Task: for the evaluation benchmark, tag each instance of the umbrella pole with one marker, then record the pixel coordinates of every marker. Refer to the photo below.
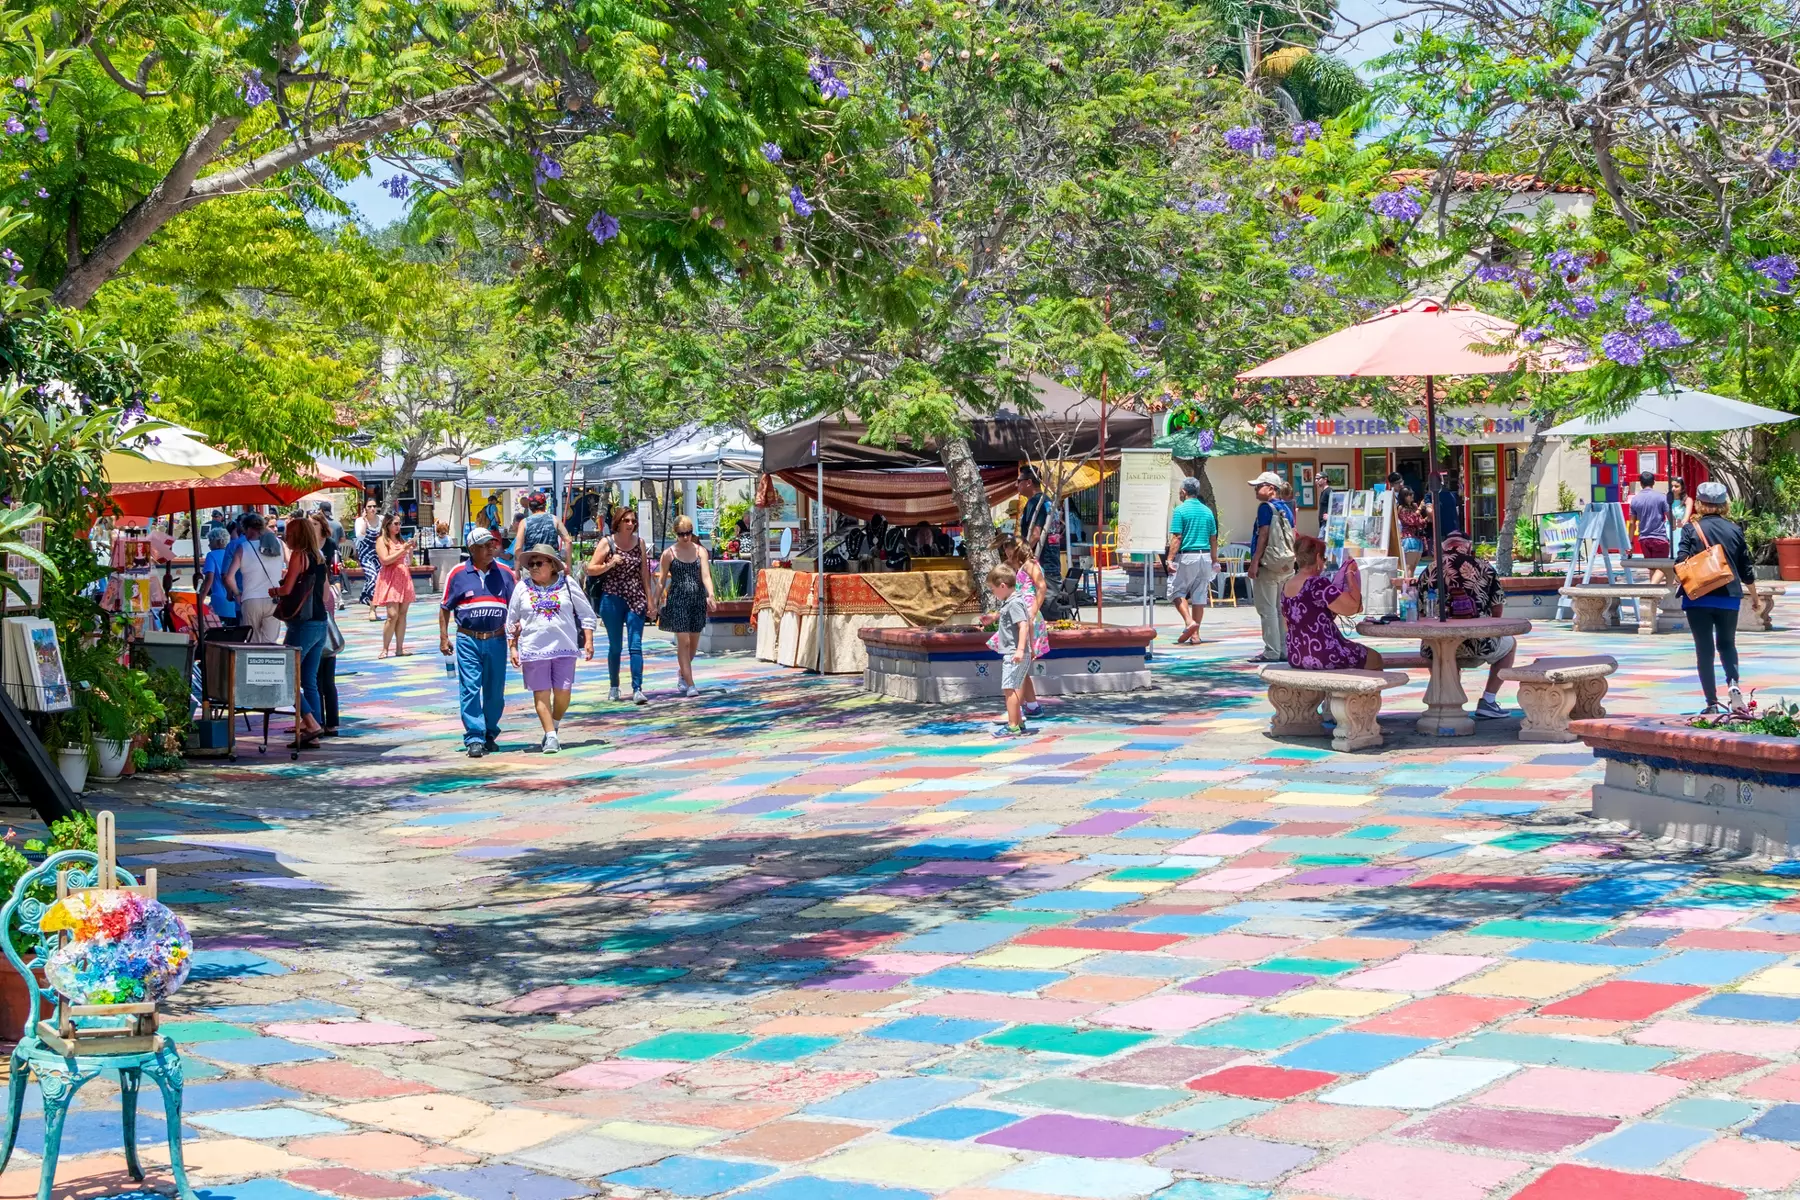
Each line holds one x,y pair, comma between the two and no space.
819,560
1100,517
1435,474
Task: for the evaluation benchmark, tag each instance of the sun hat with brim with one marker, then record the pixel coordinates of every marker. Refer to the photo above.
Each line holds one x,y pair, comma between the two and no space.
529,558
1267,477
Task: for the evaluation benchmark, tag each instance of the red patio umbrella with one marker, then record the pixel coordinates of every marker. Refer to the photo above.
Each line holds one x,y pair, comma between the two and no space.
1424,337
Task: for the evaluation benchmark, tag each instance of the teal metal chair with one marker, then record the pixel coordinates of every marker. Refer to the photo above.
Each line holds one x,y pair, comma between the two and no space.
53,1045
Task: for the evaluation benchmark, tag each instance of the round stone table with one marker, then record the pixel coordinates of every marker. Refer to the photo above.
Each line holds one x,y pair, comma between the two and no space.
1444,695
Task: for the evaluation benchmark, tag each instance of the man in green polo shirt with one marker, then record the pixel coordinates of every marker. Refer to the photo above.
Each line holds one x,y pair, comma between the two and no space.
1193,543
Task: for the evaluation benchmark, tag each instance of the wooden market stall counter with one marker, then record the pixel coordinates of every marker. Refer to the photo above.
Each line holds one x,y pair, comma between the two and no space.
785,612
945,666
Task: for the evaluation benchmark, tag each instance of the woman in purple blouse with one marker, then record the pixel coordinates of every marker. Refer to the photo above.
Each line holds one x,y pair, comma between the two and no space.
1311,604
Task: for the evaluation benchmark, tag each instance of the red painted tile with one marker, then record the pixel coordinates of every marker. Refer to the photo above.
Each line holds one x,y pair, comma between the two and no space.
1501,883
837,944
1098,939
1308,829
1261,859
1622,1000
1508,1129
345,1182
1707,1067
1262,1083
1442,1016
1566,1181
1736,939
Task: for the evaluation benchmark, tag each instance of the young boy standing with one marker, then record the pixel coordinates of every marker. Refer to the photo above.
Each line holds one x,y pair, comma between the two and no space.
1013,642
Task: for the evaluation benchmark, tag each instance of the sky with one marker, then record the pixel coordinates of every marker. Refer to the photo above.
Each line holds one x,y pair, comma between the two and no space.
375,208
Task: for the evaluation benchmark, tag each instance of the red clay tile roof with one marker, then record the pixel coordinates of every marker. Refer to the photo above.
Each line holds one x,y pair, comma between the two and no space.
1470,181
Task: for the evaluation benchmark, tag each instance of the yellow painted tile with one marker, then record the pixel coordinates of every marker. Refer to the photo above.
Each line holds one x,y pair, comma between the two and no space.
680,1136
1337,1002
1322,799
1036,957
435,1115
694,1018
853,907
1129,885
230,1157
514,1129
1531,980
1777,981
912,1165
877,785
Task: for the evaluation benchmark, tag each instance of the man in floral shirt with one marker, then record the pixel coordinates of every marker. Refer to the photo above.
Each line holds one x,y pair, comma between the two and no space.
1474,591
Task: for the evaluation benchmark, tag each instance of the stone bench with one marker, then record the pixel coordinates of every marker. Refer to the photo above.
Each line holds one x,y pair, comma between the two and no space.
1595,602
1354,697
1554,691
1757,615
1404,660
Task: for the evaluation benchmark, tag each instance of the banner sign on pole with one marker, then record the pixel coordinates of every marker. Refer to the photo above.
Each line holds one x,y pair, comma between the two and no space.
1146,487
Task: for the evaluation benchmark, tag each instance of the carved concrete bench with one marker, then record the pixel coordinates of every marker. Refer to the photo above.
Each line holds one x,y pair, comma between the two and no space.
1758,612
1554,691
1354,697
1594,603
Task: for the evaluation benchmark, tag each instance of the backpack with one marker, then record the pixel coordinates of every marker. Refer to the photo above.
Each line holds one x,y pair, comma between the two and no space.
1278,551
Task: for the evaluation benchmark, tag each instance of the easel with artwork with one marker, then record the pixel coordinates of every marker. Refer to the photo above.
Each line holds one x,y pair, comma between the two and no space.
1601,536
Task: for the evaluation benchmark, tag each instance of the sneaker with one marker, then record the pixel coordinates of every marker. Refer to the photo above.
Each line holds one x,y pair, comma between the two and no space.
1715,709
476,749
638,697
1034,709
613,695
1489,710
491,746
1003,730
692,691
551,744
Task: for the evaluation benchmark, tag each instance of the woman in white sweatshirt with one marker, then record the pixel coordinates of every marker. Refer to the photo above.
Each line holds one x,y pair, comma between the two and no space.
547,621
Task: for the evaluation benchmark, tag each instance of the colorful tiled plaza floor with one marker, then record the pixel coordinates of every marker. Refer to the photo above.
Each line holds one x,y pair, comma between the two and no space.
791,943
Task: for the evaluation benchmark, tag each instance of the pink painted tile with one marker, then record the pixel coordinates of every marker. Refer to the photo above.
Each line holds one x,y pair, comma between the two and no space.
613,1076
1235,879
350,1033
1235,947
904,964
1776,1085
1003,1008
721,791
1763,1040
1169,1012
1738,1163
1415,972
1227,844
1379,1171
1691,918
1584,1093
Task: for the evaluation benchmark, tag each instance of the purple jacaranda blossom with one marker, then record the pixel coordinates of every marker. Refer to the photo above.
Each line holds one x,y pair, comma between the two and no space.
1493,273
1402,205
1070,370
1535,334
1157,325
1140,372
14,125
1784,160
603,227
1623,348
23,83
1778,269
1660,335
830,86
771,151
547,167
255,91
397,187
1586,306
1212,204
1637,312
801,207
1244,138
1302,271
1305,131
697,63
1566,263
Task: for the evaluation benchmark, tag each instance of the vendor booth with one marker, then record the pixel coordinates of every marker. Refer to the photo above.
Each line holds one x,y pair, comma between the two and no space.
801,624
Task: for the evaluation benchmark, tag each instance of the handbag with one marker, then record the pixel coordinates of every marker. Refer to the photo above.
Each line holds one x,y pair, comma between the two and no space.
1707,571
289,607
334,637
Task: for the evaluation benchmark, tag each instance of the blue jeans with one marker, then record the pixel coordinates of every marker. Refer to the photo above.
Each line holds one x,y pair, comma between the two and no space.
308,637
621,620
481,681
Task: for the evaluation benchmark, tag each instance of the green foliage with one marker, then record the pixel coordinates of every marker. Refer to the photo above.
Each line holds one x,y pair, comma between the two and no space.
1781,719
1525,538
1566,500
77,831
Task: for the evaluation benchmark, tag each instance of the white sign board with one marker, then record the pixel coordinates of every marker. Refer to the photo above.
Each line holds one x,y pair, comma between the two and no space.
1146,490
264,670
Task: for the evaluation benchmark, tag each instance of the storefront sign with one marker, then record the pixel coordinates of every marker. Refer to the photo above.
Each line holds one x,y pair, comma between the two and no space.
1556,535
1463,425
1144,495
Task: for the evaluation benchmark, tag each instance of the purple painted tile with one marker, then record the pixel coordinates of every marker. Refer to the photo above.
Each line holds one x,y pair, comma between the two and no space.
1496,1129
963,867
1246,1160
1165,1066
1082,1137
878,981
918,885
1248,983
763,804
1367,876
1104,823
504,1183
1044,879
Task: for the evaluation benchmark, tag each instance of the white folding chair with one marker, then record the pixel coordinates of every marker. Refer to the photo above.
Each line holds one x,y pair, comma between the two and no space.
1233,565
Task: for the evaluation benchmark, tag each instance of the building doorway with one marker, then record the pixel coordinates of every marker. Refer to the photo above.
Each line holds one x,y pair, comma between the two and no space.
1411,466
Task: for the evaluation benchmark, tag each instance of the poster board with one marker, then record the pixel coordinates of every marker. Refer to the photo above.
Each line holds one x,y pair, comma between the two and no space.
1557,535
1360,524
35,677
1146,490
1337,526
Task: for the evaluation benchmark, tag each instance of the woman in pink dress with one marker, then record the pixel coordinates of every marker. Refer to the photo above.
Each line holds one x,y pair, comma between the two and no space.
1311,603
394,585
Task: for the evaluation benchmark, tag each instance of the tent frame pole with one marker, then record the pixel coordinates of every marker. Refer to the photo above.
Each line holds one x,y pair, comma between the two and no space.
1436,474
819,563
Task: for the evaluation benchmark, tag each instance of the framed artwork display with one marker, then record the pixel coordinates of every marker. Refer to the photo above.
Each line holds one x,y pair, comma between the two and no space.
1337,475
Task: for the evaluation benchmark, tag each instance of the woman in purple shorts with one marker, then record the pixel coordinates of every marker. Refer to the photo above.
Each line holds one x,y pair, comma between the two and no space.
547,621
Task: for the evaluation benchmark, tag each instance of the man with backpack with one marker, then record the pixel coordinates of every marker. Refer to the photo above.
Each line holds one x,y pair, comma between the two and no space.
1271,563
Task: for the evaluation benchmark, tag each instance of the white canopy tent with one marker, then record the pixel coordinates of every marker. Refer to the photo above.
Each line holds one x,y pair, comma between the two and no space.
692,452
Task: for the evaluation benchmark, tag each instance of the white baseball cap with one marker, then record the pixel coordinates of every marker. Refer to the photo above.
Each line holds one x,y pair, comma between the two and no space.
1268,477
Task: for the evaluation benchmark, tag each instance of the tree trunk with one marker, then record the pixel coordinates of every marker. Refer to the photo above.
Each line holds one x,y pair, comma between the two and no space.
409,463
1515,495
959,462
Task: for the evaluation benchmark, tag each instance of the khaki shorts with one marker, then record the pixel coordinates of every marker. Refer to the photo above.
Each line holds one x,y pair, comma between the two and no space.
1192,579
1014,674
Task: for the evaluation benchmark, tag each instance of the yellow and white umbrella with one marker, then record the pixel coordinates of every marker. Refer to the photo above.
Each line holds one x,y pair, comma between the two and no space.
167,455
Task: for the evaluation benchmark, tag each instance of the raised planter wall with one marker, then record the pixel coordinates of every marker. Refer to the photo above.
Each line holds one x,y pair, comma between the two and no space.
728,628
947,667
1728,791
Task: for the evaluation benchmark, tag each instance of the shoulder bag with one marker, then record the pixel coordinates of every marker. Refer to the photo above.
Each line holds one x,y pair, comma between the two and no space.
299,600
1707,571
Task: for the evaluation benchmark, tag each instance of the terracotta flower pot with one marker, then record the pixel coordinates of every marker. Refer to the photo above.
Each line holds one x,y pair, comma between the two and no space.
1787,556
15,1003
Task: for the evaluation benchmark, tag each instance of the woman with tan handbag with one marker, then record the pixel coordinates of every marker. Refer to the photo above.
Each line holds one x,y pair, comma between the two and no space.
1713,564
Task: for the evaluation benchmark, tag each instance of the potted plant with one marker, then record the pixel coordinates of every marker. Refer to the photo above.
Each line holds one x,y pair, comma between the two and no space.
122,704
1787,547
69,736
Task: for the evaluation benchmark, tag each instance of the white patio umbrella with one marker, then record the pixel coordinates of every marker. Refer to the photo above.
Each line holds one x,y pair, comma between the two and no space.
1670,411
